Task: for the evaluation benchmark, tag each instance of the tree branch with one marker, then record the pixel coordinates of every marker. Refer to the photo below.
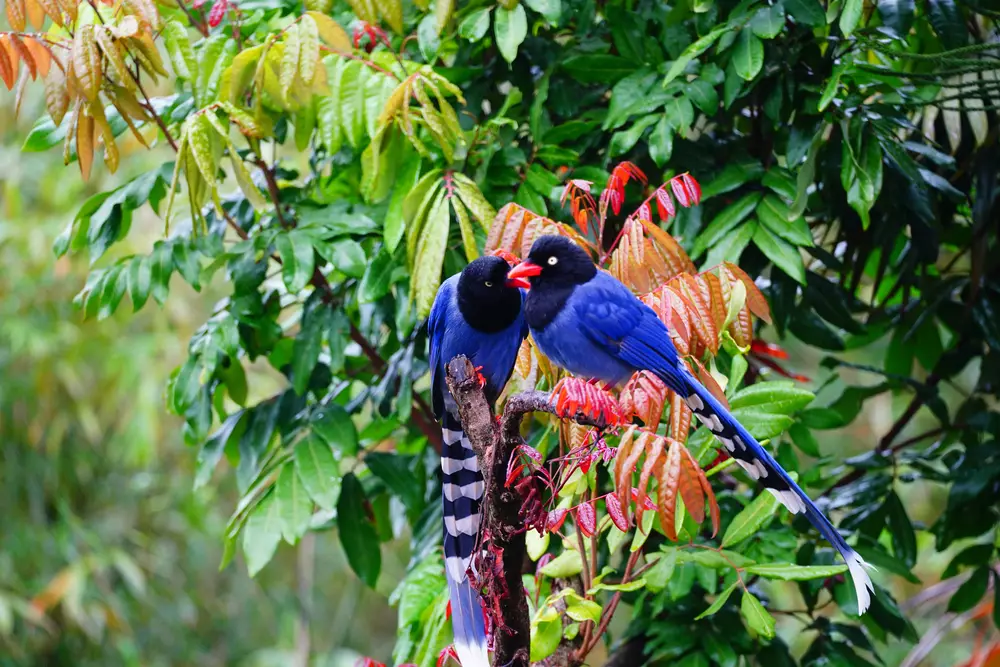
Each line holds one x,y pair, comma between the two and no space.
495,442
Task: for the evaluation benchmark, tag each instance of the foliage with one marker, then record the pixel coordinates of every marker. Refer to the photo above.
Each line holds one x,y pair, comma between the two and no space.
335,172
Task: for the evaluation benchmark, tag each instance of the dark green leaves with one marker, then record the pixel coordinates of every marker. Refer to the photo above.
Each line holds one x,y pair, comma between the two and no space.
897,14
806,12
357,531
298,259
598,68
948,23
970,592
748,55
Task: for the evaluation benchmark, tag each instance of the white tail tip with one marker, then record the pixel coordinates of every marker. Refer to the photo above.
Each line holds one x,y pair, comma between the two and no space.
863,585
471,654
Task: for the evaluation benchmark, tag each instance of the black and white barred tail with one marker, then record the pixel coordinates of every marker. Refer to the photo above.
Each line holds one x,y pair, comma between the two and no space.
761,466
462,492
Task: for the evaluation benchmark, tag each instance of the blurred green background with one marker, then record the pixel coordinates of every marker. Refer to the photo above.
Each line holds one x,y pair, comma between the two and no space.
107,556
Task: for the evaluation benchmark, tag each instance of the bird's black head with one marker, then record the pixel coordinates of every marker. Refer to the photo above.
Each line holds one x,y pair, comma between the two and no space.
488,300
555,261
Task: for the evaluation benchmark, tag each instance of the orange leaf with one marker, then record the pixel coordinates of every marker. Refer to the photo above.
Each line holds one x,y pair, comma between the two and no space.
708,380
701,317
85,128
755,298
40,53
680,418
669,479
15,14
653,446
644,397
8,62
625,459
712,287
689,484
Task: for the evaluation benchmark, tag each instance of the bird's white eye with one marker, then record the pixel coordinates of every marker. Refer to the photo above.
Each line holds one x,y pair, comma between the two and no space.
488,283
553,260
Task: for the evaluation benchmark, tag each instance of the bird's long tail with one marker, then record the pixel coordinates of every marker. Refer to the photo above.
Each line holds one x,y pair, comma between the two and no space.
463,493
760,465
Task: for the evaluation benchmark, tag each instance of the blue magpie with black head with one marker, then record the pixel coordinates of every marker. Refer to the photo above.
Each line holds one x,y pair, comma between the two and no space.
592,325
477,313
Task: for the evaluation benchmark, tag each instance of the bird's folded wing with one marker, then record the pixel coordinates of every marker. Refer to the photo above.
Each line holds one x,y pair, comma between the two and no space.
606,311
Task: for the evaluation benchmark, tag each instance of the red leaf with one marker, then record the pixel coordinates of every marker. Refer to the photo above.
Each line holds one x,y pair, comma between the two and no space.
693,187
197,4
508,257
530,452
555,519
664,204
681,192
446,653
513,474
217,12
615,512
644,213
647,503
586,519
585,465
768,349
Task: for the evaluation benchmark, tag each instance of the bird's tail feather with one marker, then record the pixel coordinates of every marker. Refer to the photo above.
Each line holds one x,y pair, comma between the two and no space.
760,465
462,496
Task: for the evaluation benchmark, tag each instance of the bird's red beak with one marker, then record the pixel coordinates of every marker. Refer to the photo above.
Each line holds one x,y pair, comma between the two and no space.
518,276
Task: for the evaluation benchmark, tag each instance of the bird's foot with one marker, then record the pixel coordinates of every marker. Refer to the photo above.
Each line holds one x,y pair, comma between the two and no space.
482,380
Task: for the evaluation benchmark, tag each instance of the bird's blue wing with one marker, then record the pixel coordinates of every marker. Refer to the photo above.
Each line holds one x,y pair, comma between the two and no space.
621,325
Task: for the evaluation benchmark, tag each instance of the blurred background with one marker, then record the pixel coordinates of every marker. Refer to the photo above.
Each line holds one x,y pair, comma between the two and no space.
107,556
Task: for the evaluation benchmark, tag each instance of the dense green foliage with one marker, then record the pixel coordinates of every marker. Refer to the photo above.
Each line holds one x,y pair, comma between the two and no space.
848,159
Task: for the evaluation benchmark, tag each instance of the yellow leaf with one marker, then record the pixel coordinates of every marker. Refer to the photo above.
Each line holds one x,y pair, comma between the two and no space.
36,14
290,60
15,14
199,135
54,11
392,12
331,33
56,97
145,11
125,111
308,48
241,71
465,226
85,142
87,62
8,62
107,136
69,7
145,51
112,51
442,13
364,10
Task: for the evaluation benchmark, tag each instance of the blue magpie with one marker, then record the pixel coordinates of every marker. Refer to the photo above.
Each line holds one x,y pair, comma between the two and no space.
477,313
592,325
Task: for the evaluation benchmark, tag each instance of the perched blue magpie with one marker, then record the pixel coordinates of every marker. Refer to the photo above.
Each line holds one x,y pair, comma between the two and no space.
476,313
592,325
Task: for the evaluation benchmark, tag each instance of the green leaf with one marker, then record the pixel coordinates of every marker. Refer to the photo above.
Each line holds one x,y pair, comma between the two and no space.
719,602
948,23
296,251
622,142
904,540
474,26
693,51
804,440
971,591
748,55
897,14
566,564
261,534
510,26
294,505
752,518
377,279
731,246
850,15
703,94
791,572
724,222
784,255
734,175
776,397
175,39
346,255
550,9
661,142
830,89
546,636
394,471
395,222
597,68
806,12
357,533
774,214
582,610
334,425
430,251
318,471
759,620
308,343
768,21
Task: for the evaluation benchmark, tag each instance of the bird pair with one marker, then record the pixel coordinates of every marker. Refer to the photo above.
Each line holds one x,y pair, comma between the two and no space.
592,325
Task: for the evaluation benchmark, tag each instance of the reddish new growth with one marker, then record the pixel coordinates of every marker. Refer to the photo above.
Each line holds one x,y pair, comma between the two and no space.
508,257
374,33
573,396
765,355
